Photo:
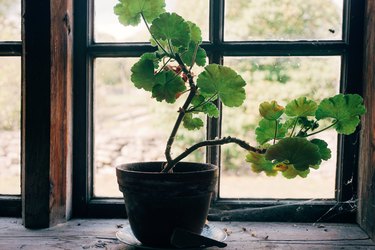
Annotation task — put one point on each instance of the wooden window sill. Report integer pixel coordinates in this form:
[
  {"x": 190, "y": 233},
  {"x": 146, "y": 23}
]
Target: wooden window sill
[{"x": 100, "y": 234}]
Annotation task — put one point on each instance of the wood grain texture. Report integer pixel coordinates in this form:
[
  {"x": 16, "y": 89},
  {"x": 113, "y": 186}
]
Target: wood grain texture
[
  {"x": 100, "y": 234},
  {"x": 61, "y": 111},
  {"x": 366, "y": 209},
  {"x": 47, "y": 119}
]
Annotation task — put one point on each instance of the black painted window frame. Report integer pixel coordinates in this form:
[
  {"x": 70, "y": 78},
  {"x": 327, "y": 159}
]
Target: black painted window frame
[{"x": 350, "y": 50}]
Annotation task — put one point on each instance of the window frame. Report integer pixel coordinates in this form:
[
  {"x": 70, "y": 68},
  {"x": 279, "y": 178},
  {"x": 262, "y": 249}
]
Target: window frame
[
  {"x": 10, "y": 205},
  {"x": 349, "y": 48}
]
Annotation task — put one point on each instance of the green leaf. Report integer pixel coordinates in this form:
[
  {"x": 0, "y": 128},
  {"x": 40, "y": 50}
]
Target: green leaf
[
  {"x": 344, "y": 109},
  {"x": 306, "y": 123},
  {"x": 167, "y": 86},
  {"x": 260, "y": 164},
  {"x": 129, "y": 11},
  {"x": 188, "y": 56},
  {"x": 325, "y": 152},
  {"x": 210, "y": 109},
  {"x": 266, "y": 131},
  {"x": 301, "y": 107},
  {"x": 297, "y": 151},
  {"x": 291, "y": 172},
  {"x": 192, "y": 123},
  {"x": 223, "y": 81},
  {"x": 271, "y": 110},
  {"x": 143, "y": 71},
  {"x": 195, "y": 31},
  {"x": 170, "y": 26},
  {"x": 197, "y": 100}
]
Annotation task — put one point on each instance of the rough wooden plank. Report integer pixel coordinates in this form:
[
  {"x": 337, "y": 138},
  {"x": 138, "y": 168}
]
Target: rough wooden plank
[
  {"x": 46, "y": 126},
  {"x": 61, "y": 111},
  {"x": 366, "y": 204},
  {"x": 96, "y": 234}
]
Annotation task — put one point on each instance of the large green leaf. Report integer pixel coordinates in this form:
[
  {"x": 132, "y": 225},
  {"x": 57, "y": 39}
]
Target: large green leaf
[
  {"x": 129, "y": 11},
  {"x": 223, "y": 81},
  {"x": 325, "y": 152},
  {"x": 260, "y": 164},
  {"x": 344, "y": 109},
  {"x": 192, "y": 123},
  {"x": 172, "y": 27},
  {"x": 194, "y": 54},
  {"x": 271, "y": 110},
  {"x": 301, "y": 107},
  {"x": 266, "y": 131},
  {"x": 143, "y": 71},
  {"x": 297, "y": 151},
  {"x": 167, "y": 86}
]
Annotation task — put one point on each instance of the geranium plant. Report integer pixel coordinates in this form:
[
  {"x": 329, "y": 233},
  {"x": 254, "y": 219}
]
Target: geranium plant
[{"x": 283, "y": 134}]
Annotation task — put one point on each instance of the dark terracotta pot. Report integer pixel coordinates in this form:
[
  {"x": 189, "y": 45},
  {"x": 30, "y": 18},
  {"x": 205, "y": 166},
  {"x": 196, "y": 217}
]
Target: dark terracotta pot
[{"x": 157, "y": 203}]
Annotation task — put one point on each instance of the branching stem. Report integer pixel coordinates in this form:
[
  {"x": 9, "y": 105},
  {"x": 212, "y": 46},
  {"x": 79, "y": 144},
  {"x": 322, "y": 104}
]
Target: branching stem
[
  {"x": 294, "y": 126},
  {"x": 215, "y": 142},
  {"x": 330, "y": 126},
  {"x": 182, "y": 111},
  {"x": 165, "y": 64},
  {"x": 156, "y": 40},
  {"x": 202, "y": 103}
]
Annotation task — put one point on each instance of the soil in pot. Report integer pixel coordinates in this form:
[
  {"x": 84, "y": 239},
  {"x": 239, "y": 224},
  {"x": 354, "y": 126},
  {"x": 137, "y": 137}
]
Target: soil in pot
[{"x": 158, "y": 203}]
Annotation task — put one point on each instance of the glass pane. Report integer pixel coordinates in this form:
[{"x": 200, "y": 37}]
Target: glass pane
[
  {"x": 129, "y": 126},
  {"x": 10, "y": 20},
  {"x": 283, "y": 20},
  {"x": 10, "y": 118},
  {"x": 281, "y": 79},
  {"x": 108, "y": 28}
]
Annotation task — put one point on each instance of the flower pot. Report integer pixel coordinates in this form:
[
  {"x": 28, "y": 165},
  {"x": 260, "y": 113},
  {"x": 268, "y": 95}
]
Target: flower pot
[{"x": 158, "y": 203}]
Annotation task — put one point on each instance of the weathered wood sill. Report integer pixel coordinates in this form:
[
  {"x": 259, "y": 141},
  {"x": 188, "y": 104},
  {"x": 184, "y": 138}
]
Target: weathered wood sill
[{"x": 100, "y": 234}]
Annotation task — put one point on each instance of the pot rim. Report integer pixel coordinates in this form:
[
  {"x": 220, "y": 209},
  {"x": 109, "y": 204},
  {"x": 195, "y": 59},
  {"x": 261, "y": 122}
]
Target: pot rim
[{"x": 122, "y": 169}]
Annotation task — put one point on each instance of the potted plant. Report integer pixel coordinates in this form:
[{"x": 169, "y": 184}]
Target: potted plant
[{"x": 163, "y": 196}]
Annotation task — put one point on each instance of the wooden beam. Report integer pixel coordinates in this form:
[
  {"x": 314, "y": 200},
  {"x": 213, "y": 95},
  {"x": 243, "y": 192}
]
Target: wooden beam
[
  {"x": 61, "y": 111},
  {"x": 366, "y": 204},
  {"x": 46, "y": 115}
]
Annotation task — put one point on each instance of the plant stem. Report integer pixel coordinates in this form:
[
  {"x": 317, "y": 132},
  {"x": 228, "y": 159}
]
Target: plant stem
[
  {"x": 216, "y": 142},
  {"x": 276, "y": 125},
  {"x": 330, "y": 126},
  {"x": 194, "y": 57},
  {"x": 193, "y": 89},
  {"x": 294, "y": 126},
  {"x": 165, "y": 64},
  {"x": 148, "y": 28},
  {"x": 182, "y": 111},
  {"x": 170, "y": 46},
  {"x": 202, "y": 103}
]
